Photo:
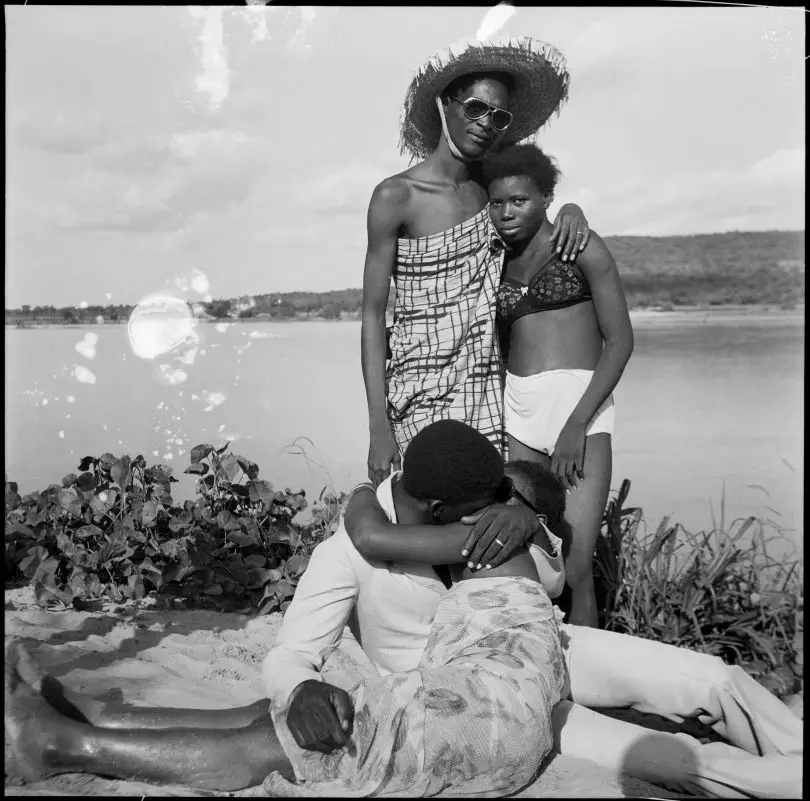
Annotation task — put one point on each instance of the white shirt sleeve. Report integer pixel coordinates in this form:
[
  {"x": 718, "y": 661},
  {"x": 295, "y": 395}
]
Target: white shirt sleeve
[
  {"x": 313, "y": 623},
  {"x": 550, "y": 567}
]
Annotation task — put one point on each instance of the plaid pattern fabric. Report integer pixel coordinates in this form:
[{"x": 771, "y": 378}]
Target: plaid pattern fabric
[{"x": 444, "y": 355}]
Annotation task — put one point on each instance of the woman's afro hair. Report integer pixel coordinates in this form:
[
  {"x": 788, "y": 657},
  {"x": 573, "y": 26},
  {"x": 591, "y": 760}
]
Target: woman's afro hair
[
  {"x": 519, "y": 160},
  {"x": 451, "y": 462}
]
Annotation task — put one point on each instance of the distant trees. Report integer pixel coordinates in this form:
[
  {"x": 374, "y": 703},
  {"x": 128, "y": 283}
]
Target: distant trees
[{"x": 764, "y": 267}]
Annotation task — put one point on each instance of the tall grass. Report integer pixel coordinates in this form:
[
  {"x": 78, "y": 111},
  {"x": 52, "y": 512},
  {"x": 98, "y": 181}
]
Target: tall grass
[{"x": 720, "y": 592}]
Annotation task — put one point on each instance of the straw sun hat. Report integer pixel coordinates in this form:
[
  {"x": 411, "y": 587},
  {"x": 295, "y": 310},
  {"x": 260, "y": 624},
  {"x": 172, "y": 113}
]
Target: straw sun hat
[{"x": 538, "y": 69}]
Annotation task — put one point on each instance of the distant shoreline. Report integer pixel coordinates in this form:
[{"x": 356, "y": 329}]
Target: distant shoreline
[{"x": 729, "y": 311}]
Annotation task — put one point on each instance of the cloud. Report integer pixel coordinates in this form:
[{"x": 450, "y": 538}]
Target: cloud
[
  {"x": 68, "y": 132},
  {"x": 346, "y": 189},
  {"x": 768, "y": 194},
  {"x": 155, "y": 184}
]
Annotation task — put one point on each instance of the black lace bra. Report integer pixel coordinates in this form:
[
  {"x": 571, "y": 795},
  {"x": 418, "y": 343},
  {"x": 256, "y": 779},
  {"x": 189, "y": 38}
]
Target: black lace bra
[{"x": 555, "y": 285}]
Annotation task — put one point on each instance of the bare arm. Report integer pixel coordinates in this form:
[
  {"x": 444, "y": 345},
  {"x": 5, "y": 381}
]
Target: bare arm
[
  {"x": 571, "y": 231},
  {"x": 610, "y": 305},
  {"x": 376, "y": 537},
  {"x": 384, "y": 220}
]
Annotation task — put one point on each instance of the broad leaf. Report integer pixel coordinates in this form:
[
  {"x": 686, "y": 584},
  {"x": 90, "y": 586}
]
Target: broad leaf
[
  {"x": 86, "y": 463},
  {"x": 241, "y": 540},
  {"x": 231, "y": 467},
  {"x": 88, "y": 531},
  {"x": 197, "y": 468},
  {"x": 297, "y": 564},
  {"x": 65, "y": 545},
  {"x": 68, "y": 480},
  {"x": 169, "y": 548},
  {"x": 119, "y": 472},
  {"x": 86, "y": 482},
  {"x": 261, "y": 491},
  {"x": 136, "y": 588},
  {"x": 226, "y": 521},
  {"x": 150, "y": 513},
  {"x": 104, "y": 501},
  {"x": 106, "y": 461},
  {"x": 199, "y": 452},
  {"x": 36, "y": 556},
  {"x": 251, "y": 468},
  {"x": 69, "y": 500}
]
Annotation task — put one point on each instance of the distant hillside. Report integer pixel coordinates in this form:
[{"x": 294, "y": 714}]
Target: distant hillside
[
  {"x": 740, "y": 268},
  {"x": 763, "y": 267}
]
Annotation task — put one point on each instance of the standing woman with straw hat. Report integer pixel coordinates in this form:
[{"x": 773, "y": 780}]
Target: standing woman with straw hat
[{"x": 429, "y": 230}]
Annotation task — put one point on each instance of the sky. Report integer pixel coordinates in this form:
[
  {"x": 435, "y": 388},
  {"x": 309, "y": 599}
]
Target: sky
[{"x": 224, "y": 151}]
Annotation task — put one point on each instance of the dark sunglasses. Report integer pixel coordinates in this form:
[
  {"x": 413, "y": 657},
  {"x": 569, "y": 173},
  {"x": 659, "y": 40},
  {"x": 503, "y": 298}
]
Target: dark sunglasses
[
  {"x": 475, "y": 109},
  {"x": 508, "y": 490}
]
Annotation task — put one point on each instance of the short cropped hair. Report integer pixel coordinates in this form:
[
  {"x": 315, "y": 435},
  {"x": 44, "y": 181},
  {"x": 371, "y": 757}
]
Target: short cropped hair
[
  {"x": 546, "y": 492},
  {"x": 464, "y": 82},
  {"x": 451, "y": 462},
  {"x": 519, "y": 160}
]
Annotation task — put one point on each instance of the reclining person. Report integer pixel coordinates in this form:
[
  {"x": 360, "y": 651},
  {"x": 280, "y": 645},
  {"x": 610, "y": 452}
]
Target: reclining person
[{"x": 473, "y": 715}]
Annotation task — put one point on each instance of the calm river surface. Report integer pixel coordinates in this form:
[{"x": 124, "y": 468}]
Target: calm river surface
[{"x": 709, "y": 400}]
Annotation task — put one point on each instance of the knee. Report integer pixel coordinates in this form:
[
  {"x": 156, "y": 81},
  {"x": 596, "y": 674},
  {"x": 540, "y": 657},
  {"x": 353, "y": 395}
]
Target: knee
[
  {"x": 578, "y": 571},
  {"x": 714, "y": 671}
]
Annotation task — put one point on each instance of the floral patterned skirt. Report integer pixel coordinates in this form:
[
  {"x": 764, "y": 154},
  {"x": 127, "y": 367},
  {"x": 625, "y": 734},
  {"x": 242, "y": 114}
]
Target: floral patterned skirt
[{"x": 473, "y": 719}]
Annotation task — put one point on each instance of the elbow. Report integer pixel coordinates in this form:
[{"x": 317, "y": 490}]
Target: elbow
[
  {"x": 621, "y": 348},
  {"x": 361, "y": 540}
]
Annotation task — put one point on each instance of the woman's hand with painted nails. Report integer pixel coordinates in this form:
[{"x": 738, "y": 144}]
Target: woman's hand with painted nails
[{"x": 571, "y": 232}]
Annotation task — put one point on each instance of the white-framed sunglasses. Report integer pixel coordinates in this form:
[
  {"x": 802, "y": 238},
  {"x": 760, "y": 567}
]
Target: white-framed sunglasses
[{"x": 476, "y": 109}]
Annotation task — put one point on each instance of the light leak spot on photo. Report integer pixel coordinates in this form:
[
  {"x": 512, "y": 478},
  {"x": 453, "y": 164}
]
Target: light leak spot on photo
[
  {"x": 87, "y": 346},
  {"x": 171, "y": 375},
  {"x": 494, "y": 20},
  {"x": 213, "y": 399},
  {"x": 199, "y": 282},
  {"x": 83, "y": 375},
  {"x": 159, "y": 325}
]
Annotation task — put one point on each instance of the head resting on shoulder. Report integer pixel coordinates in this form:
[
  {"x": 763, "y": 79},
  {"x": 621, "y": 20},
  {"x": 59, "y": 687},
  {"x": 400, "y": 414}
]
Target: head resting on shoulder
[{"x": 451, "y": 470}]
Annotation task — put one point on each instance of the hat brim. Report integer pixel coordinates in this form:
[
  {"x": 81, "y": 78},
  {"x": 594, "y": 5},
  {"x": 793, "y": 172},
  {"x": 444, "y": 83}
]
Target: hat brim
[{"x": 539, "y": 72}]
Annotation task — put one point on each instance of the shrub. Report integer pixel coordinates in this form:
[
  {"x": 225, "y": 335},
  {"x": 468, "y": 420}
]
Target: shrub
[
  {"x": 711, "y": 592},
  {"x": 113, "y": 531}
]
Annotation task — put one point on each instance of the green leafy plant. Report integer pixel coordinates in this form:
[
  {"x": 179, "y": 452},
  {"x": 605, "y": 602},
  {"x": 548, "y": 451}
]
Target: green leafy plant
[
  {"x": 113, "y": 531},
  {"x": 719, "y": 592}
]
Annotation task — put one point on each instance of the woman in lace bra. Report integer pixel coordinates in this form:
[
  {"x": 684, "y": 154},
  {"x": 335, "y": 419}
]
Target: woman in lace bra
[{"x": 566, "y": 337}]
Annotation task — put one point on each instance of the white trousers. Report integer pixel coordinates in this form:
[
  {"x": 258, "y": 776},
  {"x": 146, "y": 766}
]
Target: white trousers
[{"x": 607, "y": 670}]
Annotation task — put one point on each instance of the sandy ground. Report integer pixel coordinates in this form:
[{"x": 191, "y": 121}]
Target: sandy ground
[{"x": 201, "y": 659}]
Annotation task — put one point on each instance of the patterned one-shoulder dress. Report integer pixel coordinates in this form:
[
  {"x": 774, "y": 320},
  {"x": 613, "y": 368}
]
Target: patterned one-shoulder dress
[{"x": 444, "y": 355}]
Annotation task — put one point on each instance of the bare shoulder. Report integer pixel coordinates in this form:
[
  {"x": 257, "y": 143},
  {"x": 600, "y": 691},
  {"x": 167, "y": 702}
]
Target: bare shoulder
[
  {"x": 596, "y": 255},
  {"x": 392, "y": 191}
]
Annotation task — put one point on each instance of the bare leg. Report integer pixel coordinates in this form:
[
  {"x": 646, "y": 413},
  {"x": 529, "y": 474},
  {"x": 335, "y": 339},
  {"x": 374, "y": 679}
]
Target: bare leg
[
  {"x": 84, "y": 709},
  {"x": 584, "y": 510},
  {"x": 45, "y": 742}
]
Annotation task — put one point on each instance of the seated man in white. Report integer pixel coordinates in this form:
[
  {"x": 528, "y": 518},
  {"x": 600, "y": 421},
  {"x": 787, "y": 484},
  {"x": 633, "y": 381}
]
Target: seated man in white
[{"x": 389, "y": 606}]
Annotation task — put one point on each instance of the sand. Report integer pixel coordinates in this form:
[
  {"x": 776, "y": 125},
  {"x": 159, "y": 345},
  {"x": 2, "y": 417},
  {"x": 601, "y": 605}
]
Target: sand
[{"x": 202, "y": 659}]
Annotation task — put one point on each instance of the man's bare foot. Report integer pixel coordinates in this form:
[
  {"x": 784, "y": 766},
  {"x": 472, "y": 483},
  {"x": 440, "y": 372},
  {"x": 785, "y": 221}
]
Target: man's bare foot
[
  {"x": 34, "y": 729},
  {"x": 70, "y": 704}
]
